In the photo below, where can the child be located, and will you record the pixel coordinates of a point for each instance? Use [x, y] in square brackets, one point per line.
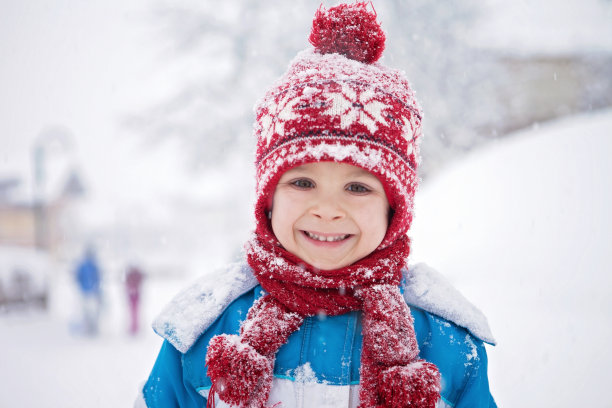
[318, 316]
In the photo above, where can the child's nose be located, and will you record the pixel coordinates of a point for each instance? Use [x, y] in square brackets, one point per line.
[328, 208]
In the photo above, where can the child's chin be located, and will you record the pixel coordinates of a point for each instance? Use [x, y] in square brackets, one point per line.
[329, 265]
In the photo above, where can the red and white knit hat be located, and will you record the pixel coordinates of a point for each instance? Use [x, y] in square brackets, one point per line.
[336, 103]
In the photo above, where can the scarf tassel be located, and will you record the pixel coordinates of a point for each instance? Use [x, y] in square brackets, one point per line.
[414, 385]
[229, 362]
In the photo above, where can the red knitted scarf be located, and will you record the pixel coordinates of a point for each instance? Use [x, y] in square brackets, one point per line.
[241, 367]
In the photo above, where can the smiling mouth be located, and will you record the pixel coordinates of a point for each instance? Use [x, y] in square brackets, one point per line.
[329, 238]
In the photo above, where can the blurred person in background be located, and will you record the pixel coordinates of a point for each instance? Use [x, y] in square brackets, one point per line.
[87, 275]
[133, 284]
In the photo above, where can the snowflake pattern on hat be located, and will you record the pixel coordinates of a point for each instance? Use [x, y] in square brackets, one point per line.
[274, 122]
[353, 105]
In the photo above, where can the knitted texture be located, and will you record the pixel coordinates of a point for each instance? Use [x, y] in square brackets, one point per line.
[241, 366]
[328, 107]
[391, 375]
[342, 30]
[309, 291]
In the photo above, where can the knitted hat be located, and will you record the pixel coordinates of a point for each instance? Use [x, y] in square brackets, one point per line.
[336, 103]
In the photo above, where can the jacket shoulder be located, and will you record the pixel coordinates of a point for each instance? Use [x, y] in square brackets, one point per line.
[460, 357]
[195, 308]
[429, 290]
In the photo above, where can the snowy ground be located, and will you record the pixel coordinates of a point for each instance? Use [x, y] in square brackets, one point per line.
[522, 227]
[46, 364]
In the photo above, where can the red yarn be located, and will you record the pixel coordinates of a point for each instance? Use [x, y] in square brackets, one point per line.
[241, 367]
[414, 385]
[271, 325]
[308, 291]
[390, 374]
[388, 327]
[350, 30]
[230, 361]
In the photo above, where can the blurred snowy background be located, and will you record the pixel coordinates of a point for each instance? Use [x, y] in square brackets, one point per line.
[126, 126]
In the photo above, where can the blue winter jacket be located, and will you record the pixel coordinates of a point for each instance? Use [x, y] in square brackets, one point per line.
[319, 365]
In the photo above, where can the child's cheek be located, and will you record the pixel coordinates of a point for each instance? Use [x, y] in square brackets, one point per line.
[269, 203]
[270, 200]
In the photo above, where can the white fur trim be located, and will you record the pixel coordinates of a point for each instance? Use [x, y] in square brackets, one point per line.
[193, 310]
[431, 291]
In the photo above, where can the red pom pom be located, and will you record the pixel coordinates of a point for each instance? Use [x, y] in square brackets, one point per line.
[350, 30]
[240, 375]
[414, 385]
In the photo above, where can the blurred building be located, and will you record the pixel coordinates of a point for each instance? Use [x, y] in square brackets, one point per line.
[26, 223]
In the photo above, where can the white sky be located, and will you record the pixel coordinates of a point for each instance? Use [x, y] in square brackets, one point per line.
[545, 26]
[77, 64]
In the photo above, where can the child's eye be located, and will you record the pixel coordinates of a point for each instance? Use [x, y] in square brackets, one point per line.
[302, 183]
[358, 188]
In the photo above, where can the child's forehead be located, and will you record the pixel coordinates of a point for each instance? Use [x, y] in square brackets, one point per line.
[329, 167]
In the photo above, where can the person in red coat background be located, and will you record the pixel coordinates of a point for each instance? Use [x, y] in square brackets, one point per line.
[133, 283]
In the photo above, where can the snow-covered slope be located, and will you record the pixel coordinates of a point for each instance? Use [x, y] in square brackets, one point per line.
[523, 227]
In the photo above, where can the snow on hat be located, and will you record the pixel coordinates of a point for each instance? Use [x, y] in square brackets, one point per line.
[337, 103]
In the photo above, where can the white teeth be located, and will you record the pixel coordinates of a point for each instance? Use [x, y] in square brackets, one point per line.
[327, 239]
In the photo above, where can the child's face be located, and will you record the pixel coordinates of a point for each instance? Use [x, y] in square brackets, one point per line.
[329, 214]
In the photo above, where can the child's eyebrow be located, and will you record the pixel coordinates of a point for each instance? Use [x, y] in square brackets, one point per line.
[361, 173]
[296, 172]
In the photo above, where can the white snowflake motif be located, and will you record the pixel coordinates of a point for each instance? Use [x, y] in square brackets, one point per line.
[409, 129]
[409, 133]
[354, 106]
[274, 123]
